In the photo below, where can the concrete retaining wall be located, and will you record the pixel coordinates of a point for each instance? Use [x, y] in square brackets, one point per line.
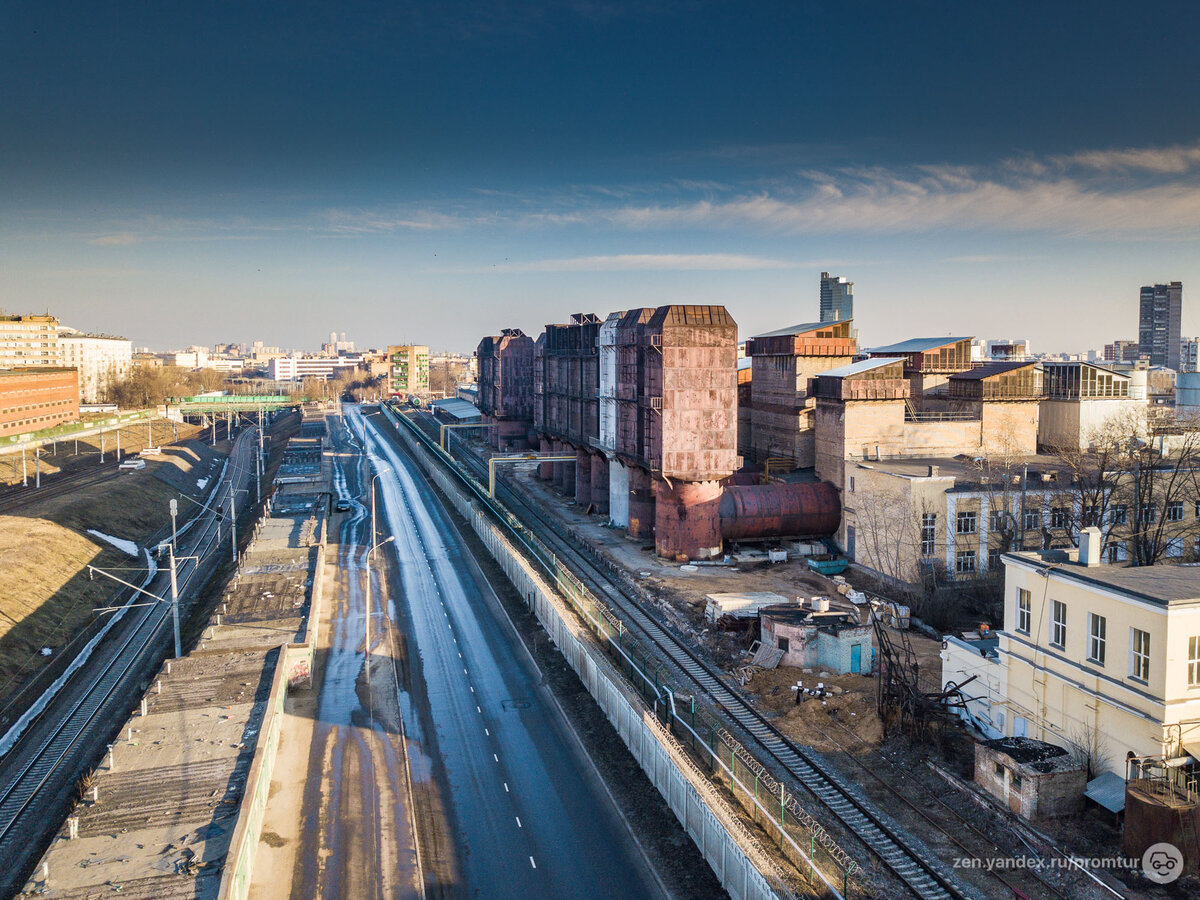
[293, 670]
[707, 820]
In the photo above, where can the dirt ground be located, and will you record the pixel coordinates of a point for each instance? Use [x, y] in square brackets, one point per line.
[46, 597]
[851, 703]
[68, 455]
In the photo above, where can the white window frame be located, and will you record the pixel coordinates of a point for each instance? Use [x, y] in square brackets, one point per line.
[1024, 610]
[1194, 661]
[1139, 654]
[1058, 626]
[1097, 638]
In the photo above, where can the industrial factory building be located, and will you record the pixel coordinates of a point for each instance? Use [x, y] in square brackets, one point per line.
[644, 404]
[506, 388]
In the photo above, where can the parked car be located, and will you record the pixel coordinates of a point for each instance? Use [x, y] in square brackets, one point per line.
[343, 504]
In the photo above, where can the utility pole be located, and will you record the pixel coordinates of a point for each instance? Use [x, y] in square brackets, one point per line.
[102, 446]
[37, 460]
[24, 470]
[174, 532]
[232, 526]
[175, 596]
[118, 443]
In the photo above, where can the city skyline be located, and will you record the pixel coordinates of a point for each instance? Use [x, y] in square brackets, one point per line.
[416, 169]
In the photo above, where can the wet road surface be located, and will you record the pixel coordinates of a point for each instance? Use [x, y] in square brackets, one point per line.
[529, 815]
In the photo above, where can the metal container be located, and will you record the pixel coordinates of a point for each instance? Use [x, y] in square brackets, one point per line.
[779, 510]
[686, 519]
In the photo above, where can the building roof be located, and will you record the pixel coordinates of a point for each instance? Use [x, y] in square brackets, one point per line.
[919, 345]
[987, 370]
[1107, 789]
[1162, 584]
[1034, 755]
[805, 328]
[457, 407]
[863, 365]
[686, 314]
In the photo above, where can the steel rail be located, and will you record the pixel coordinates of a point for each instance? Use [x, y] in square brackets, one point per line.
[20, 791]
[897, 852]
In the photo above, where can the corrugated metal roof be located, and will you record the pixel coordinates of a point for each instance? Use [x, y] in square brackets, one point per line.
[804, 328]
[683, 314]
[987, 370]
[857, 368]
[456, 407]
[1108, 790]
[919, 345]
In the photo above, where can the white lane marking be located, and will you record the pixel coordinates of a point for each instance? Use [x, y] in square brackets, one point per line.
[460, 656]
[472, 689]
[478, 710]
[532, 863]
[464, 671]
[506, 790]
[488, 733]
[495, 757]
[519, 825]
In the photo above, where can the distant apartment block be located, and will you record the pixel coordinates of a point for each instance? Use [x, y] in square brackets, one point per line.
[408, 369]
[35, 398]
[102, 361]
[1159, 323]
[1122, 351]
[1006, 350]
[29, 341]
[837, 298]
[297, 368]
[1189, 354]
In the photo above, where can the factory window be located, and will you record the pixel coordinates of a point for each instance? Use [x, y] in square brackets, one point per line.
[1116, 551]
[1120, 514]
[1194, 661]
[1149, 514]
[928, 534]
[1031, 519]
[1139, 654]
[999, 771]
[994, 558]
[966, 523]
[1024, 610]
[1175, 511]
[1015, 782]
[1059, 517]
[997, 520]
[1058, 624]
[782, 644]
[1097, 627]
[964, 562]
[852, 484]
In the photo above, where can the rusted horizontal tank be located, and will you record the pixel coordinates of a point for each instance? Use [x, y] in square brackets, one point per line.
[778, 510]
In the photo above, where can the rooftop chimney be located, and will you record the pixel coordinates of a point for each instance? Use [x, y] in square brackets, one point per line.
[1089, 546]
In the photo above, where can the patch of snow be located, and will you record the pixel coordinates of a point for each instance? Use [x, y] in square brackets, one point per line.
[201, 483]
[13, 734]
[120, 543]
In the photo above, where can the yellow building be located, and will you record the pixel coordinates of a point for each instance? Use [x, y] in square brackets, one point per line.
[408, 369]
[1102, 658]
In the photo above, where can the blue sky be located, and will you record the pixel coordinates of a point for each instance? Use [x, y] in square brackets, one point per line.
[185, 173]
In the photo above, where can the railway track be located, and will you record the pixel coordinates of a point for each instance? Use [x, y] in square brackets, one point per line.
[54, 744]
[57, 484]
[962, 824]
[896, 851]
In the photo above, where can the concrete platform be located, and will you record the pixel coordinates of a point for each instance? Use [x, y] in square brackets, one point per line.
[168, 797]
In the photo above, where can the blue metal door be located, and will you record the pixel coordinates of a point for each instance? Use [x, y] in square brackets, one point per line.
[856, 658]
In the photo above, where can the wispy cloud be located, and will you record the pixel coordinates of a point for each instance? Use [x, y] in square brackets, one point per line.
[1126, 192]
[124, 239]
[631, 262]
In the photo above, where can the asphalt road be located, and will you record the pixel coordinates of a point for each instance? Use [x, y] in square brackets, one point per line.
[530, 816]
[357, 840]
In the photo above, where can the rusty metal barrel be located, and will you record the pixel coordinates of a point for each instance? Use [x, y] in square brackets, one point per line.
[779, 510]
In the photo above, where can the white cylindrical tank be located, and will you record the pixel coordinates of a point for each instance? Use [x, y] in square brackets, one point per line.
[1139, 380]
[1187, 392]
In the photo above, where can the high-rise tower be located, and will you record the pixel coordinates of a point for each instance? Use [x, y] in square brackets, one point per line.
[837, 298]
[1159, 323]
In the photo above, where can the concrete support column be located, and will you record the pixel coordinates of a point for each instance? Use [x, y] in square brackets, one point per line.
[546, 469]
[641, 503]
[687, 519]
[560, 468]
[600, 483]
[618, 493]
[583, 478]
